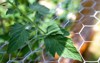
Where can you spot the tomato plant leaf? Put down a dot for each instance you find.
(18, 36)
(61, 45)
(51, 28)
(65, 33)
(70, 51)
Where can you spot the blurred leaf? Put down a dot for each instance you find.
(22, 8)
(10, 11)
(65, 33)
(39, 8)
(24, 50)
(53, 28)
(5, 36)
(31, 1)
(53, 40)
(18, 36)
(62, 46)
(38, 17)
(70, 51)
(50, 28)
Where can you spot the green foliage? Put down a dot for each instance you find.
(57, 42)
(70, 51)
(62, 46)
(39, 8)
(18, 37)
(51, 28)
(27, 34)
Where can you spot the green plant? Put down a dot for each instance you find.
(29, 32)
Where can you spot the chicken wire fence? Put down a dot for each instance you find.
(87, 19)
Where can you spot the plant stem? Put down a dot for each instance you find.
(26, 16)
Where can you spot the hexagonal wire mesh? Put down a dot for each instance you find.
(88, 18)
(88, 25)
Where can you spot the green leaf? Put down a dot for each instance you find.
(38, 17)
(18, 37)
(70, 51)
(11, 11)
(40, 9)
(62, 46)
(52, 40)
(65, 33)
(51, 28)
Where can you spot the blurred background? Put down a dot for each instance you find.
(80, 17)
